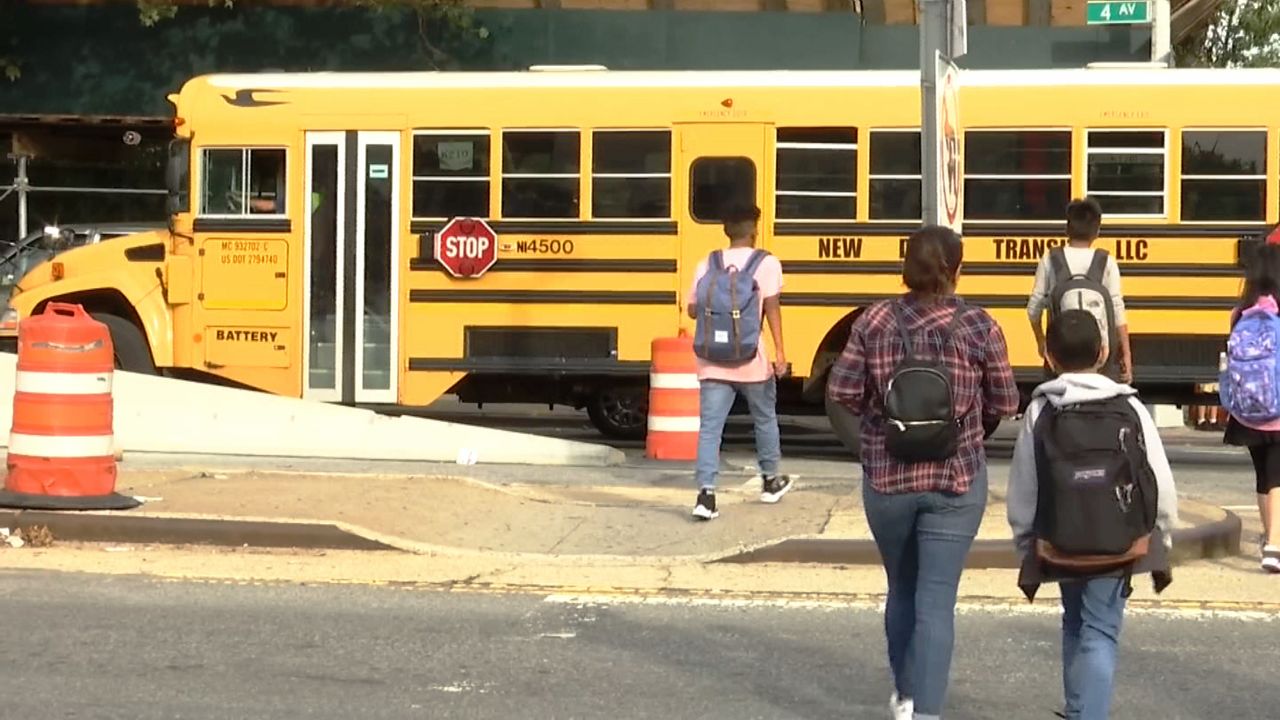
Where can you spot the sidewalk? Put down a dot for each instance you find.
(638, 512)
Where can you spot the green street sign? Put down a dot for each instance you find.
(1117, 13)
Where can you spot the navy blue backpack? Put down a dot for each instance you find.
(729, 322)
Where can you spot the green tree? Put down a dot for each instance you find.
(437, 20)
(1242, 33)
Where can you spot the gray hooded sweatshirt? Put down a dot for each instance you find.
(1069, 389)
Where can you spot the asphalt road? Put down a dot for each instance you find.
(81, 646)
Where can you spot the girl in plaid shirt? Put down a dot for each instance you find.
(925, 515)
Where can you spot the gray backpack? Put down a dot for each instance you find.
(1084, 292)
(729, 322)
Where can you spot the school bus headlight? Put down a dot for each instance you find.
(9, 321)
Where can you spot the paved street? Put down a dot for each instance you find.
(83, 646)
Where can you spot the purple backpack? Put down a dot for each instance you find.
(1249, 387)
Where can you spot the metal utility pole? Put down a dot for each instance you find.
(23, 186)
(1161, 18)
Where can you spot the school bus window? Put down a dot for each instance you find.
(224, 190)
(1126, 171)
(1016, 175)
(895, 178)
(817, 174)
(540, 172)
(631, 174)
(716, 183)
(1224, 175)
(451, 174)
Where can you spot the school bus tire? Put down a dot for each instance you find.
(131, 351)
(846, 426)
(620, 411)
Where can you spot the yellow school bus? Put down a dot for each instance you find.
(301, 259)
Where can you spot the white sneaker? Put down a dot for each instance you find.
(902, 708)
(1271, 559)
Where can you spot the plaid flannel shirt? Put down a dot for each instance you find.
(981, 383)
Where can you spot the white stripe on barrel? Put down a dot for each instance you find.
(57, 383)
(62, 446)
(657, 423)
(674, 381)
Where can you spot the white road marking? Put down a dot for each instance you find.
(1046, 606)
(459, 687)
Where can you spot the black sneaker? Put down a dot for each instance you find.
(774, 487)
(706, 507)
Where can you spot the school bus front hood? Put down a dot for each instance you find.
(129, 259)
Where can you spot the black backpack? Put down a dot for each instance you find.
(1097, 501)
(920, 423)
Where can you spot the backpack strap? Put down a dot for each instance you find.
(1058, 265)
(1098, 268)
(908, 348)
(952, 326)
(947, 332)
(753, 262)
(716, 260)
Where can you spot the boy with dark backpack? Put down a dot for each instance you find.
(1091, 502)
(1082, 277)
(734, 291)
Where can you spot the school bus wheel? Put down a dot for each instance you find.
(131, 351)
(846, 426)
(620, 411)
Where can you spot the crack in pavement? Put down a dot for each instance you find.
(553, 548)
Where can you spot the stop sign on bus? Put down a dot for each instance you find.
(467, 247)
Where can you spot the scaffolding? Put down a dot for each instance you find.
(23, 187)
(102, 138)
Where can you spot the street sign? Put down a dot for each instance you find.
(1117, 13)
(950, 183)
(467, 247)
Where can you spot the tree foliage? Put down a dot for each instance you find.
(439, 22)
(1242, 33)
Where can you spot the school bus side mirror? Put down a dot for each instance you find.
(178, 176)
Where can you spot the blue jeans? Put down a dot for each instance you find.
(1092, 612)
(715, 401)
(924, 539)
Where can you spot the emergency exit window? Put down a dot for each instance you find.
(716, 183)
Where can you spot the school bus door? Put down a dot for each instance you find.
(719, 164)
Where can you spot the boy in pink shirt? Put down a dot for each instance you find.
(755, 380)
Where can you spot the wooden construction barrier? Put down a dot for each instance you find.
(61, 446)
(673, 400)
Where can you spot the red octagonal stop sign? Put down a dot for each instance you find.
(467, 247)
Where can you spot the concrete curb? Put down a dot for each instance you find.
(228, 532)
(1210, 539)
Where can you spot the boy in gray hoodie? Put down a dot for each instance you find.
(1093, 604)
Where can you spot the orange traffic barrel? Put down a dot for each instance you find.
(673, 400)
(61, 446)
